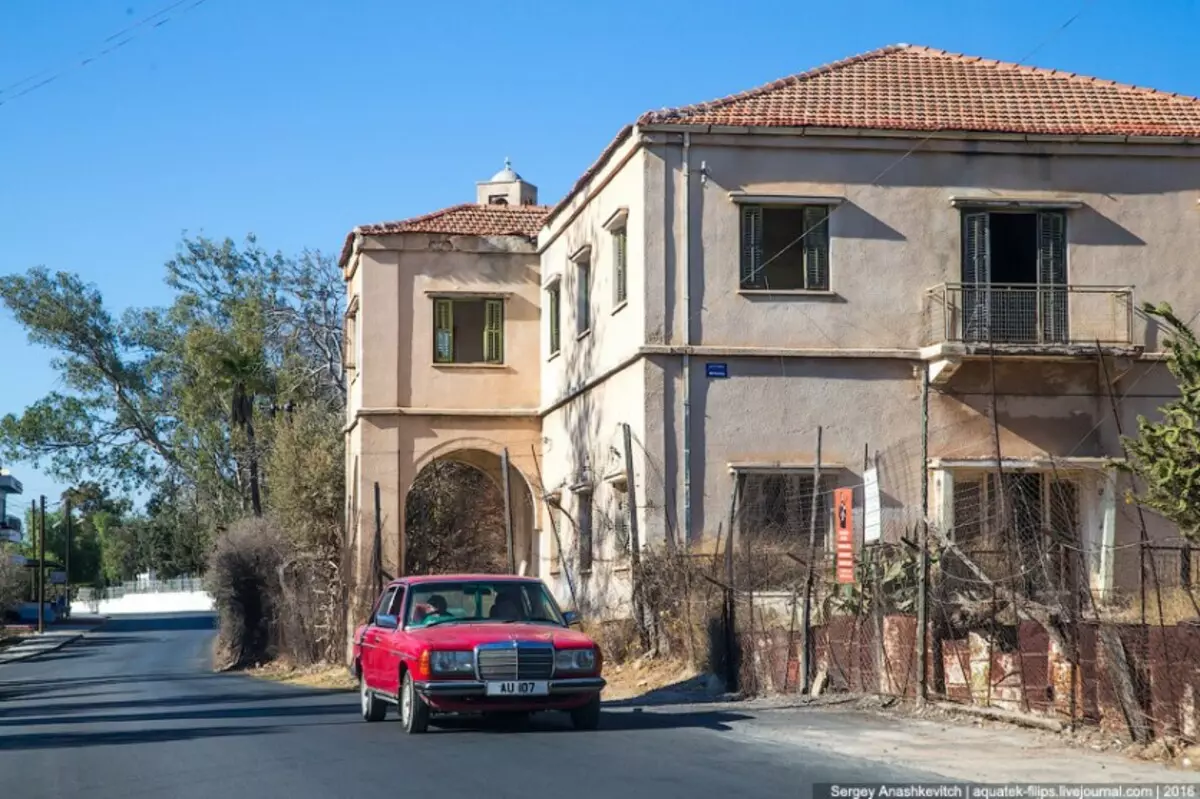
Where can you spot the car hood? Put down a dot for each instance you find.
(467, 635)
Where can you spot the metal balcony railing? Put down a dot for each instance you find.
(1030, 315)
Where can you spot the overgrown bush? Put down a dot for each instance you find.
(454, 522)
(243, 578)
(13, 580)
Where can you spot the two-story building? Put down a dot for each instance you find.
(935, 259)
(10, 523)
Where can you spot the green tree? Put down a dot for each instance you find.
(1164, 456)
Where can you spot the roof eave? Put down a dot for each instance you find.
(903, 133)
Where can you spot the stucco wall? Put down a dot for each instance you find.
(896, 234)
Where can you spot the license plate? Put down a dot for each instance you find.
(518, 688)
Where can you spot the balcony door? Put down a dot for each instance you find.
(1014, 275)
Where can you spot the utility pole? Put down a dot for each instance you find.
(67, 558)
(41, 571)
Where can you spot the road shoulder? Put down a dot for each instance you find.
(32, 646)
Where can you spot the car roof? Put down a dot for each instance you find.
(452, 578)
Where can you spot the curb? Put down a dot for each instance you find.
(66, 641)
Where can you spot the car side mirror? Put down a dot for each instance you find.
(387, 620)
(572, 618)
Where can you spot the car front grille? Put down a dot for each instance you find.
(515, 661)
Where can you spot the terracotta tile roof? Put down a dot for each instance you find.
(466, 219)
(921, 89)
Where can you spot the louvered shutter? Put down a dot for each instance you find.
(816, 248)
(493, 331)
(1052, 276)
(555, 324)
(443, 335)
(752, 251)
(619, 271)
(976, 275)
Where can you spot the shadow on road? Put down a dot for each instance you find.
(609, 722)
(162, 623)
(263, 712)
(244, 697)
(72, 740)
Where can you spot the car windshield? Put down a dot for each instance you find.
(455, 601)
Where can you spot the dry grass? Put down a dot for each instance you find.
(322, 676)
(643, 675)
(1177, 606)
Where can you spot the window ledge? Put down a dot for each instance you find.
(820, 293)
(617, 220)
(785, 199)
(554, 355)
(583, 335)
(470, 365)
(617, 308)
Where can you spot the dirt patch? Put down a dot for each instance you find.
(1167, 751)
(323, 676)
(644, 676)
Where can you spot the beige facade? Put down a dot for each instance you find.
(726, 291)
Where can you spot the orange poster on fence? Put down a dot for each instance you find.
(843, 506)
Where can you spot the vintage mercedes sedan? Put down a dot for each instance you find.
(478, 644)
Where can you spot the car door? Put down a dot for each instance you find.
(391, 646)
(374, 641)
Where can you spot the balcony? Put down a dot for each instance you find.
(1023, 320)
(10, 484)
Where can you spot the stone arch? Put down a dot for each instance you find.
(485, 456)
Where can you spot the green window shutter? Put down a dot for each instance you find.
(493, 331)
(443, 331)
(752, 252)
(976, 275)
(555, 319)
(1052, 276)
(619, 272)
(816, 248)
(583, 310)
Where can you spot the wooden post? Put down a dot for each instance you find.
(508, 526)
(806, 631)
(635, 542)
(731, 639)
(67, 558)
(377, 577)
(41, 571)
(923, 544)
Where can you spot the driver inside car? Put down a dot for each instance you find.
(507, 606)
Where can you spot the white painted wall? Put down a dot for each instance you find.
(150, 602)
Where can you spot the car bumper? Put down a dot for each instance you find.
(434, 689)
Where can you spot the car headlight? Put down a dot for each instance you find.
(451, 663)
(575, 660)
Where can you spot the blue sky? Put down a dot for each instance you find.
(299, 119)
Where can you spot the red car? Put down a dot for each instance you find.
(474, 644)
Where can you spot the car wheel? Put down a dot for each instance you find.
(588, 716)
(373, 708)
(414, 712)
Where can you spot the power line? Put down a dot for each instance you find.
(112, 43)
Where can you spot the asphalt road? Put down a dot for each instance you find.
(134, 711)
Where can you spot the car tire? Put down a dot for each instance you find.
(414, 711)
(587, 717)
(373, 708)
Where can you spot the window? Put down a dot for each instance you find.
(350, 335)
(1021, 527)
(385, 604)
(620, 256)
(778, 506)
(785, 248)
(554, 316)
(583, 296)
(555, 514)
(619, 517)
(1014, 274)
(468, 331)
(498, 199)
(584, 523)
